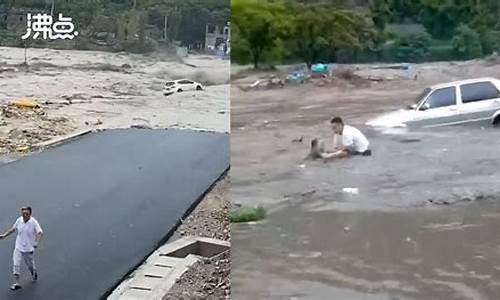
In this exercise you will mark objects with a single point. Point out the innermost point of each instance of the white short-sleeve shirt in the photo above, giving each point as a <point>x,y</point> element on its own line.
<point>354,140</point>
<point>26,234</point>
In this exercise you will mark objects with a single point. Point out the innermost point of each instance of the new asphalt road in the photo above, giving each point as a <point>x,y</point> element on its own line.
<point>105,202</point>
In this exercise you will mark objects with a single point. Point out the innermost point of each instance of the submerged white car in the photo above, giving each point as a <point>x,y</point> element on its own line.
<point>465,101</point>
<point>181,85</point>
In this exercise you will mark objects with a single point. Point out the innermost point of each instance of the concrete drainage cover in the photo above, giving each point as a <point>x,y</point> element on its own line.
<point>105,201</point>
<point>161,270</point>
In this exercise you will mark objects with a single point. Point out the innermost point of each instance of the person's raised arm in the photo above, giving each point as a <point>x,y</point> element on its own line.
<point>7,233</point>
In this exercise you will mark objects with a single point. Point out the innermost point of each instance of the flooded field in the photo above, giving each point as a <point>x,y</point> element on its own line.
<point>419,219</point>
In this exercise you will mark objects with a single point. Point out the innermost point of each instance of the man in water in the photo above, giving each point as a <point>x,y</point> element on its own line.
<point>353,141</point>
<point>29,234</point>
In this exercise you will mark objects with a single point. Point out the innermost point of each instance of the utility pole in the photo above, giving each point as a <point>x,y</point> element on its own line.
<point>25,53</point>
<point>52,9</point>
<point>165,29</point>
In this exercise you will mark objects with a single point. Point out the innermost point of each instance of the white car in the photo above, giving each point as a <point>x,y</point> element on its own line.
<point>459,102</point>
<point>181,85</point>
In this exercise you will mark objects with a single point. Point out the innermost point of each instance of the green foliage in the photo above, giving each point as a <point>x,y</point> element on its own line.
<point>403,10</point>
<point>145,45</point>
<point>276,31</point>
<point>102,23</point>
<point>319,30</point>
<point>440,17</point>
<point>490,41</point>
<point>259,24</point>
<point>132,19</point>
<point>413,48</point>
<point>381,13</point>
<point>240,48</point>
<point>442,52</point>
<point>394,30</point>
<point>248,214</point>
<point>466,42</point>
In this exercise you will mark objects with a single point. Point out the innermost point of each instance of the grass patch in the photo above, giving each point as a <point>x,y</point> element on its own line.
<point>248,214</point>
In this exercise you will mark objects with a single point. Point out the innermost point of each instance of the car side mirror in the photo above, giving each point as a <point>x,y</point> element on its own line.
<point>426,106</point>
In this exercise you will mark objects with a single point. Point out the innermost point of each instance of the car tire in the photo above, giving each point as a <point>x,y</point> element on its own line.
<point>199,88</point>
<point>179,91</point>
<point>496,122</point>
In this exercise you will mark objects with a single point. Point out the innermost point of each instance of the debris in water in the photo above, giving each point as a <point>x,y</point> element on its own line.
<point>23,149</point>
<point>141,126</point>
<point>310,193</point>
<point>26,103</point>
<point>352,191</point>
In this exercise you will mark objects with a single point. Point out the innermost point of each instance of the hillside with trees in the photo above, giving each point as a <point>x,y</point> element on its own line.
<point>130,25</point>
<point>363,30</point>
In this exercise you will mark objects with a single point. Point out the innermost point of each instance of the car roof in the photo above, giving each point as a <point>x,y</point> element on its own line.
<point>460,82</point>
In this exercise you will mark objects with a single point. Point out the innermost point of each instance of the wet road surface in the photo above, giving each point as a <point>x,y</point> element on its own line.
<point>105,202</point>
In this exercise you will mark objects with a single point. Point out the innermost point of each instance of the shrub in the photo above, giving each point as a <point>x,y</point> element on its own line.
<point>414,47</point>
<point>466,42</point>
<point>248,214</point>
<point>146,45</point>
<point>489,41</point>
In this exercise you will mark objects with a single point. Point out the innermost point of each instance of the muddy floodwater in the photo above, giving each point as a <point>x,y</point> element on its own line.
<point>446,253</point>
<point>420,219</point>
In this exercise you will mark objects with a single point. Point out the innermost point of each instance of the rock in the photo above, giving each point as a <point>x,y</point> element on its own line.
<point>141,126</point>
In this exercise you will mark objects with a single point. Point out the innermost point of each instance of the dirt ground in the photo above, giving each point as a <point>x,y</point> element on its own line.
<point>88,89</point>
<point>207,279</point>
<point>425,222</point>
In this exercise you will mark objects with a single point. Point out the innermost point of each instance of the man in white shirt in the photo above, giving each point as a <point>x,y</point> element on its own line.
<point>29,234</point>
<point>353,141</point>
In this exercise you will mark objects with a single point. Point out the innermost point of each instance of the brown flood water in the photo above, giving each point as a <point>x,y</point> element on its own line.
<point>442,253</point>
<point>424,225</point>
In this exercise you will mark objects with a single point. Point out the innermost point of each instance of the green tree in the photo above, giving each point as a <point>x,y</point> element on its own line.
<point>381,13</point>
<point>440,17</point>
<point>466,42</point>
<point>259,23</point>
<point>402,10</point>
<point>318,30</point>
<point>490,41</point>
<point>414,47</point>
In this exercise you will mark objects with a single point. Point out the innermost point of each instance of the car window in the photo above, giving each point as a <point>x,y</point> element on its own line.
<point>478,91</point>
<point>422,95</point>
<point>169,83</point>
<point>185,82</point>
<point>441,98</point>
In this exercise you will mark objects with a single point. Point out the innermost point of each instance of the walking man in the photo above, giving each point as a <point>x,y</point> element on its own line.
<point>29,234</point>
<point>353,141</point>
